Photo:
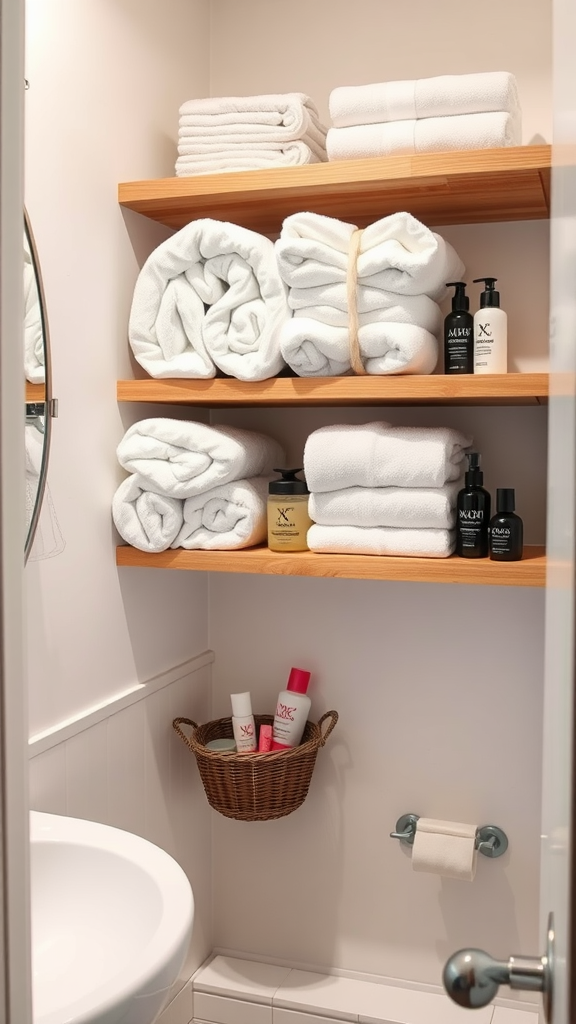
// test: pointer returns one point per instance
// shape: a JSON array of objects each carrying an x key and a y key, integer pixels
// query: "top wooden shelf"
[{"x": 471, "y": 187}]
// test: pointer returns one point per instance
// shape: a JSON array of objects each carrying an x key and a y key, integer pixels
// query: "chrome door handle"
[{"x": 471, "y": 977}]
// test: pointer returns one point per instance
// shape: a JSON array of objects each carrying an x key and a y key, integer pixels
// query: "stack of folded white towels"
[
  {"x": 393, "y": 273},
  {"x": 383, "y": 490},
  {"x": 429, "y": 115},
  {"x": 193, "y": 486},
  {"x": 243, "y": 133}
]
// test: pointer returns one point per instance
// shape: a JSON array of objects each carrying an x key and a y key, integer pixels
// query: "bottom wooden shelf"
[{"x": 530, "y": 572}]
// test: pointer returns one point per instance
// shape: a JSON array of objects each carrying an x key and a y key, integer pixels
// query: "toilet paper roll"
[{"x": 446, "y": 848}]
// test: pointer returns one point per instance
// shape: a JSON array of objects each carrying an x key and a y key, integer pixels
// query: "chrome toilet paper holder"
[{"x": 491, "y": 841}]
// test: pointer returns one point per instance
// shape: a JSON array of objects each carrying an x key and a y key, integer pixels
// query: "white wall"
[
  {"x": 107, "y": 77},
  {"x": 438, "y": 688}
]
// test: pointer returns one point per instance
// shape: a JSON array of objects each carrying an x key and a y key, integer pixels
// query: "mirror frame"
[{"x": 49, "y": 401}]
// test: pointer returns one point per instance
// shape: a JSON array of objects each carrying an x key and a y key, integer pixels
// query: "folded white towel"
[
  {"x": 34, "y": 369},
  {"x": 290, "y": 154},
  {"x": 397, "y": 254},
  {"x": 421, "y": 508},
  {"x": 289, "y": 115},
  {"x": 225, "y": 518},
  {"x": 210, "y": 142},
  {"x": 425, "y": 97},
  {"x": 429, "y": 135},
  {"x": 231, "y": 270},
  {"x": 316, "y": 349},
  {"x": 144, "y": 519},
  {"x": 358, "y": 540},
  {"x": 379, "y": 455},
  {"x": 180, "y": 458}
]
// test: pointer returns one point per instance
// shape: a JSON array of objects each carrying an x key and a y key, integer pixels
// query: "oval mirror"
[{"x": 39, "y": 402}]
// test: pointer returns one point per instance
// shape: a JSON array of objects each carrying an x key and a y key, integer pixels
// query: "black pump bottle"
[
  {"x": 459, "y": 333},
  {"x": 506, "y": 529},
  {"x": 473, "y": 513}
]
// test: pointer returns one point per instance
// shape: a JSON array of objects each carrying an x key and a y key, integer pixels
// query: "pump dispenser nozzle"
[
  {"x": 489, "y": 297},
  {"x": 474, "y": 474},
  {"x": 460, "y": 300}
]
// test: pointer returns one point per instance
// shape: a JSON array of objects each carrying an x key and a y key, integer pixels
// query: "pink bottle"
[{"x": 291, "y": 711}]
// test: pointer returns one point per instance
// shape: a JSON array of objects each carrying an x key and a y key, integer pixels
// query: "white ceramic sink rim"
[{"x": 170, "y": 935}]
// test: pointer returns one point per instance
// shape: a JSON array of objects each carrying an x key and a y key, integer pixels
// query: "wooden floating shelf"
[
  {"x": 530, "y": 572},
  {"x": 35, "y": 392},
  {"x": 468, "y": 187},
  {"x": 464, "y": 389}
]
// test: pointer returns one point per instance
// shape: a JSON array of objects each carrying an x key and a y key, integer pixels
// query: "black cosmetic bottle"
[
  {"x": 506, "y": 529},
  {"x": 459, "y": 333},
  {"x": 473, "y": 513}
]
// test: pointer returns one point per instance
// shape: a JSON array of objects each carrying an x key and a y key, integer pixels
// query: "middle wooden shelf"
[
  {"x": 435, "y": 389},
  {"x": 529, "y": 572}
]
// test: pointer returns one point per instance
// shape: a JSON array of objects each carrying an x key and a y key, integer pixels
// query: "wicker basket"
[{"x": 255, "y": 787}]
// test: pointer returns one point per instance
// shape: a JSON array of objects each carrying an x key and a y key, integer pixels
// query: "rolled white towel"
[
  {"x": 34, "y": 368},
  {"x": 284, "y": 116},
  {"x": 232, "y": 271},
  {"x": 430, "y": 135},
  {"x": 396, "y": 254},
  {"x": 379, "y": 455},
  {"x": 316, "y": 349},
  {"x": 225, "y": 518},
  {"x": 358, "y": 540},
  {"x": 441, "y": 96},
  {"x": 291, "y": 154},
  {"x": 180, "y": 458},
  {"x": 147, "y": 520},
  {"x": 421, "y": 508}
]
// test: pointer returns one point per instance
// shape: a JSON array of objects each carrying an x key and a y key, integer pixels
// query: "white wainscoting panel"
[{"x": 132, "y": 771}]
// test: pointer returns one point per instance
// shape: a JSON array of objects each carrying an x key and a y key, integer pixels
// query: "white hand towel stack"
[
  {"x": 210, "y": 297},
  {"x": 244, "y": 133},
  {"x": 429, "y": 115},
  {"x": 383, "y": 490},
  {"x": 400, "y": 269},
  {"x": 193, "y": 486}
]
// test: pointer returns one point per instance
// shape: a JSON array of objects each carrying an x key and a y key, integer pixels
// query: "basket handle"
[
  {"x": 181, "y": 733},
  {"x": 333, "y": 716}
]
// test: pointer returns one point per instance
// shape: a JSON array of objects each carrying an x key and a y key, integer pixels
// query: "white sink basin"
[{"x": 111, "y": 922}]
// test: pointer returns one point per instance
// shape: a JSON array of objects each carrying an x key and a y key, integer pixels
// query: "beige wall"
[{"x": 438, "y": 688}]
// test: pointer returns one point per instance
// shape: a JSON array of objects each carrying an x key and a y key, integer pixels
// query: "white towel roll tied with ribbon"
[{"x": 445, "y": 848}]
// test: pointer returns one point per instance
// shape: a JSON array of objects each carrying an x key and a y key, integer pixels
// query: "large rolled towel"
[
  {"x": 233, "y": 272},
  {"x": 34, "y": 368},
  {"x": 358, "y": 540},
  {"x": 147, "y": 520},
  {"x": 422, "y": 508},
  {"x": 396, "y": 254},
  {"x": 379, "y": 455},
  {"x": 180, "y": 458},
  {"x": 225, "y": 518},
  {"x": 430, "y": 135},
  {"x": 316, "y": 349},
  {"x": 441, "y": 96}
]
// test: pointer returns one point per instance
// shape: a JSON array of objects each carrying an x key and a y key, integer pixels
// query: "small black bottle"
[
  {"x": 459, "y": 333},
  {"x": 506, "y": 529},
  {"x": 473, "y": 513}
]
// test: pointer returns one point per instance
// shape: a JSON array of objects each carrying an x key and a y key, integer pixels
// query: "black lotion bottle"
[
  {"x": 506, "y": 529},
  {"x": 459, "y": 333},
  {"x": 473, "y": 513}
]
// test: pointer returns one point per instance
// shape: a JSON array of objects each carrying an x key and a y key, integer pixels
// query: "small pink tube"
[{"x": 265, "y": 739}]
